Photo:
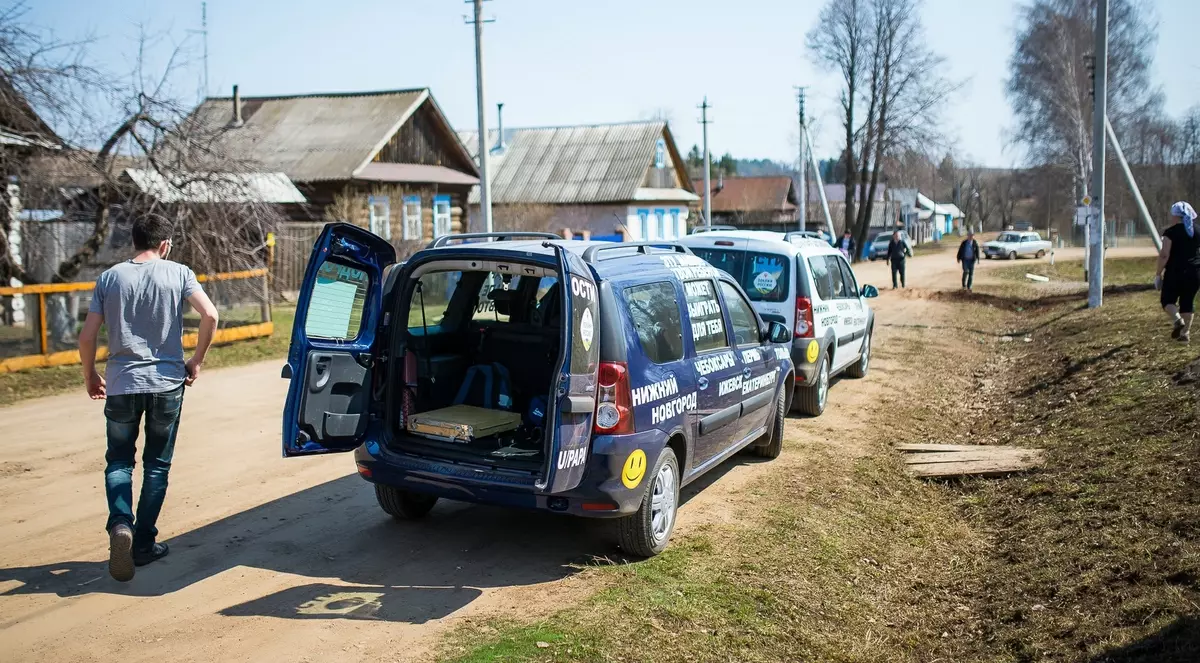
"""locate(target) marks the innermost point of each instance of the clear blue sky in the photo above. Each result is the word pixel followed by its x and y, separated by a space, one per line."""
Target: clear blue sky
pixel 565 62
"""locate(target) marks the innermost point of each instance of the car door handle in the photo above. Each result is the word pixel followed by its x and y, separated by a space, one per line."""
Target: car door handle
pixel 702 383
pixel 746 373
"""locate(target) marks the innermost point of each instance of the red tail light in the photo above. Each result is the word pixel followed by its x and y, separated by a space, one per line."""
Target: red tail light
pixel 614 411
pixel 804 318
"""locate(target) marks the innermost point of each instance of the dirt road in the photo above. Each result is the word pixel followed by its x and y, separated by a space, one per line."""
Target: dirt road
pixel 291 560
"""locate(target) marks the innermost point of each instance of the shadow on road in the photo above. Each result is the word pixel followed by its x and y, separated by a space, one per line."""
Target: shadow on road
pixel 393 570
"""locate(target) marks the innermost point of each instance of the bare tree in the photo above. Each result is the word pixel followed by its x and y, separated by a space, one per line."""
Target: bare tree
pixel 838 41
pixel 1050 88
pixel 220 224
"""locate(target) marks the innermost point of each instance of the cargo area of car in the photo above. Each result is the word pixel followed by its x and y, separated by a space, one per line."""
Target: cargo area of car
pixel 480 352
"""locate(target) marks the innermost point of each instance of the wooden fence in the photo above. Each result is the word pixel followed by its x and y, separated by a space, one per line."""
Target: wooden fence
pixel 48 339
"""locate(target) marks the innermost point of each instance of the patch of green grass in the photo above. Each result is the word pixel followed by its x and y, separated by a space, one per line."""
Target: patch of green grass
pixel 1117 271
pixel 35 383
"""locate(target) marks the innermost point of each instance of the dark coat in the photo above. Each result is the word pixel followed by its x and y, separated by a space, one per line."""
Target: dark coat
pixel 837 244
pixel 898 250
pixel 962 250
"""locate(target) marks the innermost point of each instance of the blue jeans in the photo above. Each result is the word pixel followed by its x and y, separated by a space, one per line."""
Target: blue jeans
pixel 124 414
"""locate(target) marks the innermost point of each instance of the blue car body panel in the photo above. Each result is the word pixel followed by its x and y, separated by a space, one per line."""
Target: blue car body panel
pixel 669 400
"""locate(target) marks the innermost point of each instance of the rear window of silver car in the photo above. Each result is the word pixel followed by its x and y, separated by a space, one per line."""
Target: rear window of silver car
pixel 764 276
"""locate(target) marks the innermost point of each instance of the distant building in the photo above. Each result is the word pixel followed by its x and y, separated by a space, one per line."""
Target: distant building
pixel 386 161
pixel 623 179
pixel 945 218
pixel 753 203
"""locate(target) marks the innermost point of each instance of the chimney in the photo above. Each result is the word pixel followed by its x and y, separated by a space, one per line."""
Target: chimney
pixel 237 108
pixel 500 146
pixel 720 181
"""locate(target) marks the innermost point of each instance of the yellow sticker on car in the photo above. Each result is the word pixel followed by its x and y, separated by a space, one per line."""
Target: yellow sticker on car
pixel 812 352
pixel 635 469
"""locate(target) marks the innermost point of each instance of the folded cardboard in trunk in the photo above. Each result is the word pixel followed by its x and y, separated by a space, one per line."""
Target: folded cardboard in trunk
pixel 462 423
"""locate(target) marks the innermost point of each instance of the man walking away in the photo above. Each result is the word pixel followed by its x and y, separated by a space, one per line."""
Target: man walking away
pixel 1178 273
pixel 897 251
pixel 142 303
pixel 968 253
pixel 846 246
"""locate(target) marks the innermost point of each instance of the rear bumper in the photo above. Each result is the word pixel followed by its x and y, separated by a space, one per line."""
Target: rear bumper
pixel 600 494
pixel 806 371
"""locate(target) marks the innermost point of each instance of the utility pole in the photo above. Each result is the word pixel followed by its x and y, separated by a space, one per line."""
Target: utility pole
pixel 485 184
pixel 803 174
pixel 704 121
pixel 1099 115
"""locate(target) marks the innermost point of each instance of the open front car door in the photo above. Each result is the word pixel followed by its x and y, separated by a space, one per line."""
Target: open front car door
pixel 333 339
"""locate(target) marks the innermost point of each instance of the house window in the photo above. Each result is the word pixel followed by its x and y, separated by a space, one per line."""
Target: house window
pixel 676 228
pixel 379 209
pixel 644 223
pixel 660 224
pixel 412 218
pixel 441 216
pixel 660 153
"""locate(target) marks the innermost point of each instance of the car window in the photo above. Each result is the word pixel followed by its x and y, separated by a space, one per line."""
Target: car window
pixel 764 276
pixel 336 306
pixel 835 277
pixel 654 311
pixel 741 316
pixel 821 277
pixel 704 312
pixel 431 299
pixel 848 279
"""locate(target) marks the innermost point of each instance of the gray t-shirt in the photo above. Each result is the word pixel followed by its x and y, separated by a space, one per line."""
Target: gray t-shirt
pixel 143 305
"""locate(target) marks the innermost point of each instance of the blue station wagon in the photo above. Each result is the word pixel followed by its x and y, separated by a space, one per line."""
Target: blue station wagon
pixel 521 369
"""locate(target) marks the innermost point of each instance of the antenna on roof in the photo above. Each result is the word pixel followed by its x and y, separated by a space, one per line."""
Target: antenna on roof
pixel 203 32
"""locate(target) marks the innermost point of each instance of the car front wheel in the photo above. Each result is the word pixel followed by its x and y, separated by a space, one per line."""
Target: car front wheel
pixel 645 533
pixel 773 439
pixel 1012 255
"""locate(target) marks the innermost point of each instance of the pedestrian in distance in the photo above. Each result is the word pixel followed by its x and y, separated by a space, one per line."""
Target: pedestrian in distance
pixel 897 253
pixel 1178 272
pixel 968 255
pixel 846 245
pixel 142 302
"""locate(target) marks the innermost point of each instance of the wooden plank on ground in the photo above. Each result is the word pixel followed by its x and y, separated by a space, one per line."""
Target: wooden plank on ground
pixel 970 456
pixel 926 448
pixel 971 468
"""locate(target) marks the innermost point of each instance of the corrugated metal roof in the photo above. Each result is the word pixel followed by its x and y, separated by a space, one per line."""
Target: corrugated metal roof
pixel 565 165
pixel 310 137
pixel 215 187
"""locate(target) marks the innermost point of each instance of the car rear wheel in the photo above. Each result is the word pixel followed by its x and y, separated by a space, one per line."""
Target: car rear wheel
pixel 645 533
pixel 772 442
pixel 404 504
pixel 811 400
pixel 860 367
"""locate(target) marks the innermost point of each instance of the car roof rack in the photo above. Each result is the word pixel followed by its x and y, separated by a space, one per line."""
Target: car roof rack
pixel 499 237
pixel 709 229
pixel 592 253
pixel 801 234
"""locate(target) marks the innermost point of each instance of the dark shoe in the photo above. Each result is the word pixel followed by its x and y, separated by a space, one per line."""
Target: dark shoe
pixel 1178 330
pixel 144 557
pixel 120 553
pixel 1185 338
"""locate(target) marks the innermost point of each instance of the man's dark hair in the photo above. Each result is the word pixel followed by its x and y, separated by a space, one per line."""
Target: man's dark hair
pixel 846 233
pixel 149 231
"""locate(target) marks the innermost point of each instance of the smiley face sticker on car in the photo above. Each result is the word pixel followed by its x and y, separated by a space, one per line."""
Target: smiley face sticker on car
pixel 812 352
pixel 634 470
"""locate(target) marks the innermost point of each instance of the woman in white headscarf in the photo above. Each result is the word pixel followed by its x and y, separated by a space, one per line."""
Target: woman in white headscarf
pixel 1178 274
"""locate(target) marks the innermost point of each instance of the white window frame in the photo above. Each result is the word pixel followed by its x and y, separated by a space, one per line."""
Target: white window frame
pixel 643 216
pixel 412 219
pixel 660 224
pixel 380 224
pixel 441 216
pixel 675 223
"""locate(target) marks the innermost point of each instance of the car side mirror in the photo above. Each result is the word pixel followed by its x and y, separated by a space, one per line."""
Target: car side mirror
pixel 779 333
pixel 870 291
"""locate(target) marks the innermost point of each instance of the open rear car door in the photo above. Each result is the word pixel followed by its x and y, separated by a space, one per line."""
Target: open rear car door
pixel 331 356
pixel 575 389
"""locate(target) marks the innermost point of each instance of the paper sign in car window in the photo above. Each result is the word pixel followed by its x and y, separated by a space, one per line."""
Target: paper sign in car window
pixel 336 299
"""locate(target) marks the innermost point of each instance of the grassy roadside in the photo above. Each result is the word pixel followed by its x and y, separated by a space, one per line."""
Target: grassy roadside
pixel 837 557
pixel 15 387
